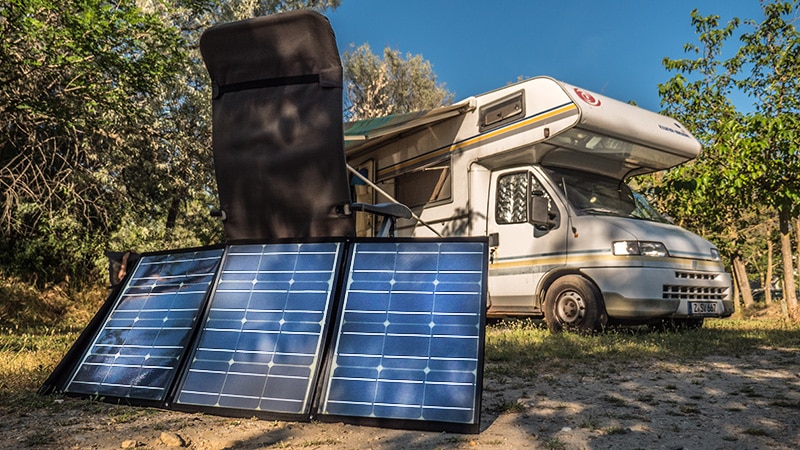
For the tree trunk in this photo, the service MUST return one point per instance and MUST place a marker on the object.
(172, 213)
(788, 267)
(797, 240)
(741, 279)
(172, 218)
(768, 284)
(736, 299)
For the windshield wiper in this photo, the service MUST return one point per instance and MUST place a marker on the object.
(600, 210)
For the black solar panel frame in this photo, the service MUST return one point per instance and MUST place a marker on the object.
(393, 423)
(339, 275)
(70, 364)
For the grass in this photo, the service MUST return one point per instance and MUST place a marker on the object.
(37, 328)
(25, 308)
(613, 400)
(28, 358)
(508, 407)
(518, 347)
(554, 444)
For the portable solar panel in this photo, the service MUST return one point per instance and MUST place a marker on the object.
(138, 348)
(259, 348)
(408, 347)
(385, 332)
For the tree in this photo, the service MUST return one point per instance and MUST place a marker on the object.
(76, 79)
(707, 193)
(228, 11)
(773, 79)
(750, 160)
(394, 85)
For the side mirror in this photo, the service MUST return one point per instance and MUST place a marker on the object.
(540, 212)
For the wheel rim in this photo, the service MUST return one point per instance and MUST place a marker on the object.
(570, 308)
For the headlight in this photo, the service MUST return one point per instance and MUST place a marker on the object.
(715, 254)
(626, 248)
(643, 248)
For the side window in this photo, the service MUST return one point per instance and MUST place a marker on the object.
(502, 112)
(512, 198)
(538, 190)
(428, 185)
(513, 194)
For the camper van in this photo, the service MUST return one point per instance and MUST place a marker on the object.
(540, 167)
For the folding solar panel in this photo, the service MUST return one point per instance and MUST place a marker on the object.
(259, 348)
(386, 332)
(139, 347)
(409, 339)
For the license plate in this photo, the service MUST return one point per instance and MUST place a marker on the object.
(702, 308)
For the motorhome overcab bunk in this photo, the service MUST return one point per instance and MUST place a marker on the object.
(540, 167)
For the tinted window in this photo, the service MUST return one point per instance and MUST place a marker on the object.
(423, 186)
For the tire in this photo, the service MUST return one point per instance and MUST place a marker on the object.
(572, 303)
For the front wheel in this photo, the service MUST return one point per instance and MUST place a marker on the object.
(572, 303)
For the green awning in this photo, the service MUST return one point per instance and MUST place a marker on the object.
(367, 132)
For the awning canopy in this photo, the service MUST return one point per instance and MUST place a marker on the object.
(363, 134)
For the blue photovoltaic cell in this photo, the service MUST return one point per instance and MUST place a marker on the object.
(140, 344)
(260, 346)
(410, 333)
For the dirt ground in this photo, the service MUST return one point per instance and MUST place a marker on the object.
(749, 402)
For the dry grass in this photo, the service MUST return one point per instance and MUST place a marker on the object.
(25, 308)
(37, 327)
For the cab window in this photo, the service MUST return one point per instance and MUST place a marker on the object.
(513, 197)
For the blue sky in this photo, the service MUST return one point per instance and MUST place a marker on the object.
(613, 47)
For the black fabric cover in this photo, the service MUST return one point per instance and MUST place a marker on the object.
(277, 126)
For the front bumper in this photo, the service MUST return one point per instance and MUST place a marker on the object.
(643, 293)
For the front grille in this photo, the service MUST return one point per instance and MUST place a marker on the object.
(674, 292)
(695, 276)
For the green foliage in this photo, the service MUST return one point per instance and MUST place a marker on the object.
(60, 248)
(393, 85)
(772, 78)
(748, 177)
(25, 308)
(702, 193)
(228, 11)
(76, 81)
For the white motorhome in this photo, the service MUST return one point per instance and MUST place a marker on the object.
(540, 167)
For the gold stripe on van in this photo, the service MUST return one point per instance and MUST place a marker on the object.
(655, 262)
(544, 260)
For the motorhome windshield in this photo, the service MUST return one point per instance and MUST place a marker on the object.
(591, 194)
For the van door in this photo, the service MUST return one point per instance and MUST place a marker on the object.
(524, 252)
